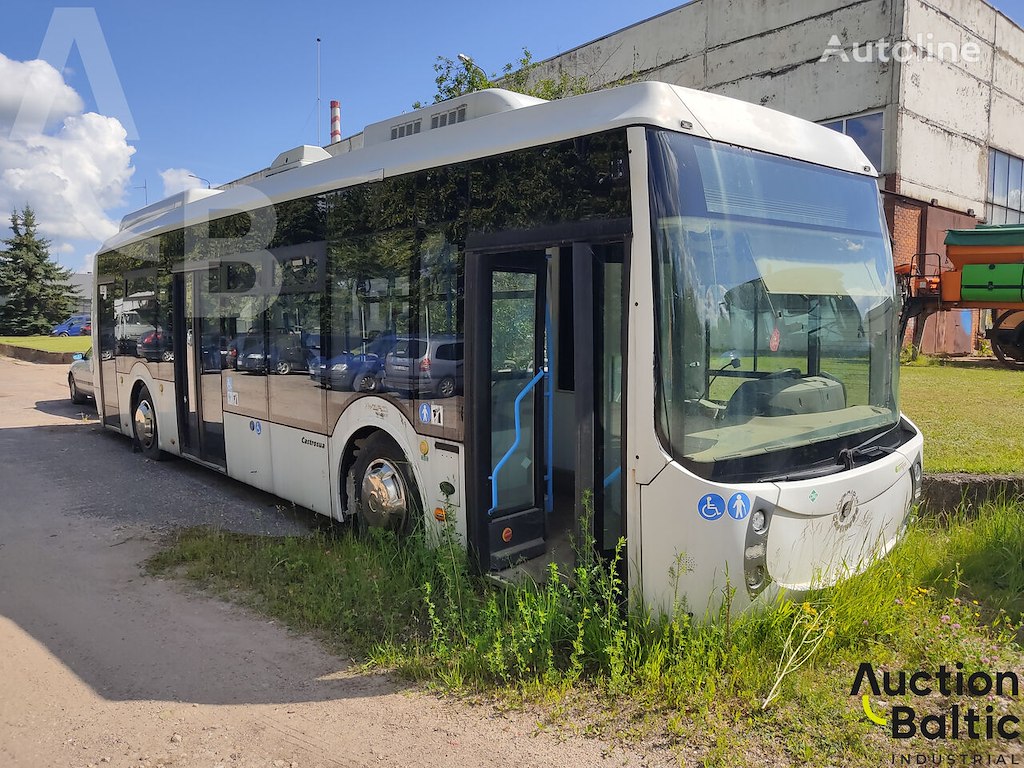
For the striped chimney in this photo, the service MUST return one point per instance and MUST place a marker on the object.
(335, 122)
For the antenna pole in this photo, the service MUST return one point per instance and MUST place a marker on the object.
(318, 142)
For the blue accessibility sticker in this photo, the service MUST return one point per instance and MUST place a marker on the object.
(711, 506)
(425, 413)
(739, 506)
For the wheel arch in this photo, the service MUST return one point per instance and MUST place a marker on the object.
(356, 424)
(162, 393)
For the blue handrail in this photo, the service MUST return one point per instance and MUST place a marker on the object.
(515, 444)
(615, 475)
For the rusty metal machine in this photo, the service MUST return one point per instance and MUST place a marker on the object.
(983, 269)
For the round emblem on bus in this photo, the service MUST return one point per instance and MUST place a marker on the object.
(846, 510)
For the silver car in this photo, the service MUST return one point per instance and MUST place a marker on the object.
(80, 377)
(426, 366)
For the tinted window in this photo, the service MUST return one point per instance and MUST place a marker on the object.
(411, 348)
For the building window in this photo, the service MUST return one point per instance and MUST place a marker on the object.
(866, 130)
(1005, 180)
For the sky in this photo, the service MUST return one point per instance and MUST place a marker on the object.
(141, 97)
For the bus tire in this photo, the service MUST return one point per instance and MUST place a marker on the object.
(144, 428)
(386, 494)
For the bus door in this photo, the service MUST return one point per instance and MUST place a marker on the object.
(545, 401)
(598, 315)
(506, 394)
(199, 356)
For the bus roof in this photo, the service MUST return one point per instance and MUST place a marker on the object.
(509, 122)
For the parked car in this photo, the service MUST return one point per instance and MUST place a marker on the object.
(131, 326)
(70, 327)
(359, 369)
(80, 378)
(286, 354)
(156, 347)
(86, 329)
(426, 365)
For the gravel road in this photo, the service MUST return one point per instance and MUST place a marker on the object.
(101, 665)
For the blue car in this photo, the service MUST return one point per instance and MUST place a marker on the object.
(71, 327)
(359, 369)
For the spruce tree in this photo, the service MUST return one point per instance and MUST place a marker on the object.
(35, 294)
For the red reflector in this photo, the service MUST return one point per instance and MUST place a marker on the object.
(506, 535)
(425, 364)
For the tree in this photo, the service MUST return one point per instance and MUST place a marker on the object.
(37, 291)
(457, 78)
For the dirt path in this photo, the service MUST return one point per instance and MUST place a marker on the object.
(101, 665)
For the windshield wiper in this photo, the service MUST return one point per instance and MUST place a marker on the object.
(868, 449)
(845, 460)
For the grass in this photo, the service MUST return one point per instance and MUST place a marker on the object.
(50, 343)
(972, 418)
(950, 591)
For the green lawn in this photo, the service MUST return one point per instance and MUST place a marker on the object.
(972, 418)
(50, 343)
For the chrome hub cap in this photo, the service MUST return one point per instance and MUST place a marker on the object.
(145, 424)
(384, 495)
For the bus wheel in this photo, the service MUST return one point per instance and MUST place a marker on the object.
(386, 493)
(144, 419)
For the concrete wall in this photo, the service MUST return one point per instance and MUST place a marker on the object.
(763, 51)
(952, 109)
(940, 116)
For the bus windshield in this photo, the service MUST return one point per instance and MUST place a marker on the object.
(775, 309)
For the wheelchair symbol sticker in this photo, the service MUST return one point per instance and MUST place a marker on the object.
(711, 506)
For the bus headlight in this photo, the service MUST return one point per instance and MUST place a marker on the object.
(755, 549)
(916, 476)
(759, 521)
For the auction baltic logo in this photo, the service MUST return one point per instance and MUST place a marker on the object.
(958, 721)
(919, 47)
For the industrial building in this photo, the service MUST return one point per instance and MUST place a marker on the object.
(932, 91)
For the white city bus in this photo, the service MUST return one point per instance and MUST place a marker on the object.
(678, 306)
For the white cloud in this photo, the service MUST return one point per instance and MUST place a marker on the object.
(70, 176)
(38, 92)
(178, 180)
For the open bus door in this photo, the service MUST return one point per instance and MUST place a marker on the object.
(198, 360)
(529, 468)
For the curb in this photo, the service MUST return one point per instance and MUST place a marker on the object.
(944, 493)
(36, 355)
